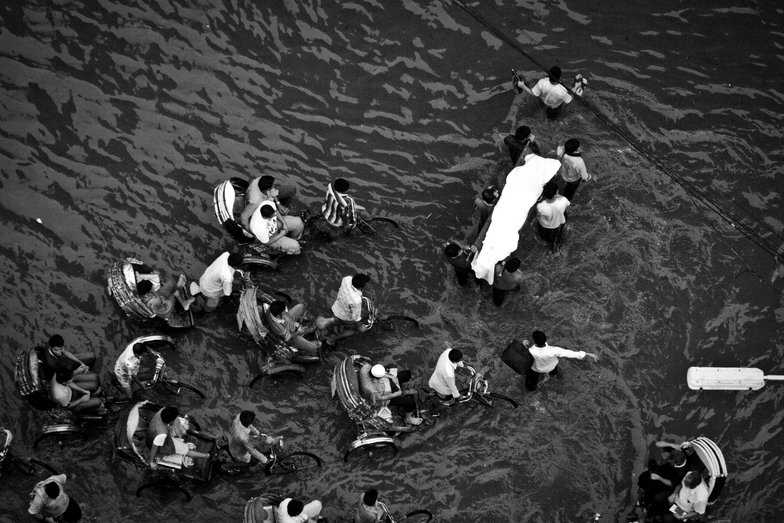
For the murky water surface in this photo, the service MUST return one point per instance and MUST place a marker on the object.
(118, 118)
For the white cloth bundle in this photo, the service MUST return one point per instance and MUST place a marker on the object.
(523, 187)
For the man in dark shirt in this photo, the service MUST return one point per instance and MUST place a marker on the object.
(518, 141)
(507, 278)
(460, 257)
(659, 481)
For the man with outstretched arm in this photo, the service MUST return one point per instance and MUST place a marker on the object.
(546, 358)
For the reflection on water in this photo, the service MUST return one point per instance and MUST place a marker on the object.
(118, 120)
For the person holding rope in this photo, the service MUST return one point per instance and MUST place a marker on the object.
(550, 91)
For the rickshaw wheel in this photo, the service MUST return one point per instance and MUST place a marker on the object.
(376, 452)
(59, 435)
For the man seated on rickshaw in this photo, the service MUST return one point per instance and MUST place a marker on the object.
(278, 232)
(384, 387)
(442, 381)
(285, 324)
(62, 388)
(262, 189)
(56, 356)
(242, 435)
(165, 437)
(163, 301)
(660, 481)
(346, 317)
(689, 501)
(294, 511)
(126, 368)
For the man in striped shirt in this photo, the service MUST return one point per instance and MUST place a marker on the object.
(339, 210)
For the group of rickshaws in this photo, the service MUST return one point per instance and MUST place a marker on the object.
(378, 435)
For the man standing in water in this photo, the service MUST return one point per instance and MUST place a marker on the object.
(443, 378)
(551, 216)
(572, 169)
(550, 91)
(518, 142)
(50, 503)
(546, 358)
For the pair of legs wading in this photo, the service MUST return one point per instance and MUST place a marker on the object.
(532, 377)
(553, 237)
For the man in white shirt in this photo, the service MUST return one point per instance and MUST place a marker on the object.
(126, 368)
(546, 358)
(346, 317)
(690, 499)
(443, 378)
(242, 434)
(216, 282)
(294, 511)
(572, 169)
(550, 91)
(276, 231)
(551, 215)
(49, 502)
(264, 188)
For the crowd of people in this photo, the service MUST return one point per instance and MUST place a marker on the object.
(267, 219)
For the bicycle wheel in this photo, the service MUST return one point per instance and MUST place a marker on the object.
(418, 516)
(400, 317)
(502, 397)
(25, 468)
(176, 387)
(371, 453)
(38, 465)
(286, 373)
(294, 462)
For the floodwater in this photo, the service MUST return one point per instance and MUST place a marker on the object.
(118, 119)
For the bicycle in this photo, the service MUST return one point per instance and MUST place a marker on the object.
(171, 385)
(280, 461)
(160, 377)
(478, 389)
(27, 466)
(416, 516)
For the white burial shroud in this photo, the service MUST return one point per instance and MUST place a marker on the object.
(523, 187)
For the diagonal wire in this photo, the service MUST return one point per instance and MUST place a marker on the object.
(695, 192)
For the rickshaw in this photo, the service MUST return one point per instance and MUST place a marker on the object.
(709, 463)
(229, 202)
(279, 359)
(31, 384)
(129, 445)
(376, 430)
(123, 277)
